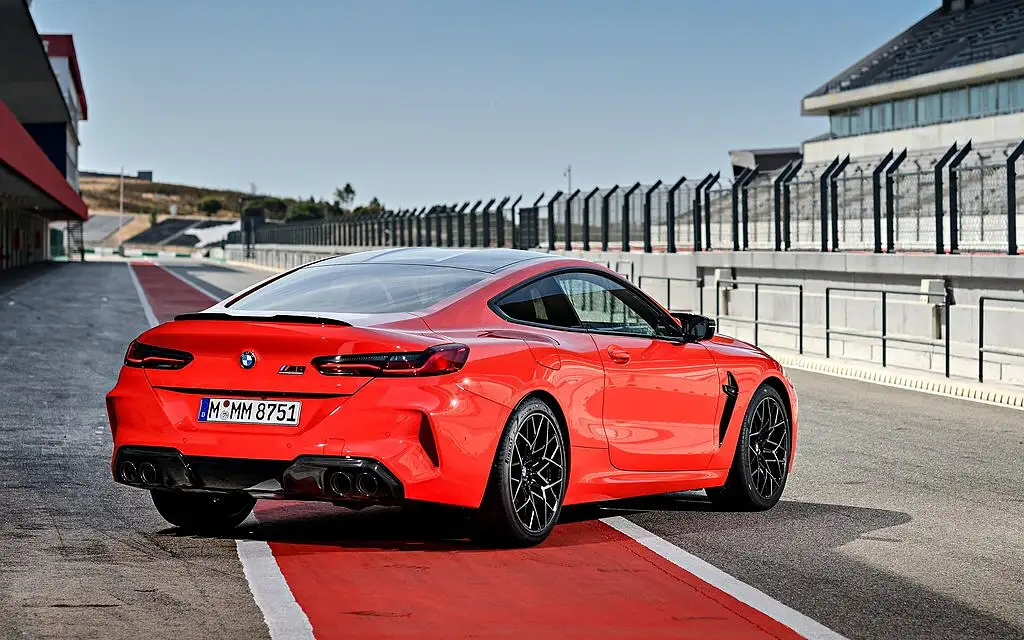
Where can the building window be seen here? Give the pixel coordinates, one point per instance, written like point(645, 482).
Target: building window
point(905, 113)
point(881, 117)
point(983, 100)
point(929, 109)
point(1004, 98)
point(1017, 94)
point(840, 124)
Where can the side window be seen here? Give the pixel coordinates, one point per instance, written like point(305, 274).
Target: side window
point(540, 302)
point(604, 305)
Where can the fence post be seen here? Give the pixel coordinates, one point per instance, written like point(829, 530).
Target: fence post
point(876, 198)
point(625, 215)
point(823, 201)
point(419, 225)
point(737, 183)
point(648, 245)
point(707, 209)
point(534, 223)
point(586, 217)
point(834, 188)
point(486, 214)
point(954, 204)
point(500, 239)
point(568, 219)
point(439, 215)
point(745, 208)
point(551, 220)
point(670, 216)
point(939, 166)
point(890, 202)
point(777, 202)
point(461, 214)
point(393, 216)
point(605, 217)
point(787, 234)
point(698, 219)
point(1011, 199)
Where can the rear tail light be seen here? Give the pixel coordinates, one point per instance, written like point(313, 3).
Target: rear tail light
point(150, 357)
point(445, 358)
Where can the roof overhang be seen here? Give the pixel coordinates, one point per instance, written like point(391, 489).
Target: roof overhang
point(29, 179)
point(28, 85)
point(991, 70)
point(63, 45)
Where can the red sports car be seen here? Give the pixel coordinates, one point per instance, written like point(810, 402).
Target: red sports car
point(507, 382)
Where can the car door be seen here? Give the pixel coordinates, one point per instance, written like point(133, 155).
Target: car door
point(661, 393)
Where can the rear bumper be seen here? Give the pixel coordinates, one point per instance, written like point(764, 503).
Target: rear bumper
point(305, 478)
point(435, 439)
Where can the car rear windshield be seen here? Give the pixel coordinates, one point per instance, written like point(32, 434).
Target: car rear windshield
point(359, 288)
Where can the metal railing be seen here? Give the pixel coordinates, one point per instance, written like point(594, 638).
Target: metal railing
point(668, 280)
point(982, 349)
point(946, 297)
point(756, 320)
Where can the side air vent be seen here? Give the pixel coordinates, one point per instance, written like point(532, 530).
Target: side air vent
point(731, 390)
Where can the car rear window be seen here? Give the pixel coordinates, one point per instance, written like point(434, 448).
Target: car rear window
point(359, 288)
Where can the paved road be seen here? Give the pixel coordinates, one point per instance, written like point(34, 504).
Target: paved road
point(903, 518)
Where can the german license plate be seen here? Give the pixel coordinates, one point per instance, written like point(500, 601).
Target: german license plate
point(241, 411)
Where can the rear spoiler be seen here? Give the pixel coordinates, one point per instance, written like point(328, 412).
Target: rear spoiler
point(293, 318)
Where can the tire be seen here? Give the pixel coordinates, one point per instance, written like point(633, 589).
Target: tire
point(760, 465)
point(203, 512)
point(523, 463)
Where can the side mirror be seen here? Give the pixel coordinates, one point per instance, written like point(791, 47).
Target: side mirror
point(695, 326)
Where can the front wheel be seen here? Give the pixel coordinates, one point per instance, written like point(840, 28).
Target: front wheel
point(203, 512)
point(761, 463)
point(528, 479)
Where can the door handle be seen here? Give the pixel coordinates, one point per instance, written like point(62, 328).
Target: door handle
point(618, 355)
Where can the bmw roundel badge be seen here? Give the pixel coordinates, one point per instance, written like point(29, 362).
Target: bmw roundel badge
point(247, 360)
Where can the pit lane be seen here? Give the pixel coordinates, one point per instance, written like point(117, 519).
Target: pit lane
point(903, 517)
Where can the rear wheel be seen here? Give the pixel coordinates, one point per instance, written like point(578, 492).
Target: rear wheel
point(203, 512)
point(761, 463)
point(528, 479)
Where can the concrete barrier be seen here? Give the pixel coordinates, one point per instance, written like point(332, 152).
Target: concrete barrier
point(728, 295)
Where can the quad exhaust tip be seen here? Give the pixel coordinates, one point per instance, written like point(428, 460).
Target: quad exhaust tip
point(147, 473)
point(340, 483)
point(129, 473)
point(366, 484)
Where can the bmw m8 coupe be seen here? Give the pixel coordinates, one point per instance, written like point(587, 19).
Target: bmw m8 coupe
point(509, 383)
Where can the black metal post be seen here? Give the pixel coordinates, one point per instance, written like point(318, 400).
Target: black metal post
point(954, 201)
point(439, 216)
point(939, 166)
point(777, 202)
point(1011, 199)
point(745, 208)
point(786, 220)
point(698, 223)
point(605, 217)
point(648, 245)
point(586, 217)
point(551, 220)
point(486, 215)
point(500, 239)
point(834, 188)
point(890, 202)
point(535, 222)
point(876, 198)
point(568, 219)
point(461, 214)
point(670, 216)
point(707, 210)
point(823, 194)
point(625, 215)
point(736, 185)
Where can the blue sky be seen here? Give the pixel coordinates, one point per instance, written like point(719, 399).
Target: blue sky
point(425, 101)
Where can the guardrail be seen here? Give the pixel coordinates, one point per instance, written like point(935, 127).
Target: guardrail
point(946, 297)
point(668, 289)
point(982, 349)
point(756, 320)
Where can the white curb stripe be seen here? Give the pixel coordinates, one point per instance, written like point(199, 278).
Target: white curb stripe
point(284, 617)
point(724, 582)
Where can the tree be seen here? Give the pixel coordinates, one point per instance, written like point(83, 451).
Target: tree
point(345, 195)
point(210, 206)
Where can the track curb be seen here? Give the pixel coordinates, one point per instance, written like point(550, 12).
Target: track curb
point(961, 389)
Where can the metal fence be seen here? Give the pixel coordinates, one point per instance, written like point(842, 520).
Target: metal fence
point(962, 199)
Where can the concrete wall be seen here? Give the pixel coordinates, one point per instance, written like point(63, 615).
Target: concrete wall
point(908, 316)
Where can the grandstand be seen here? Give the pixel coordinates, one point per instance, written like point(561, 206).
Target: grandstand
point(184, 232)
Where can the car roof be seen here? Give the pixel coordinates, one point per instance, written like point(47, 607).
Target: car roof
point(483, 260)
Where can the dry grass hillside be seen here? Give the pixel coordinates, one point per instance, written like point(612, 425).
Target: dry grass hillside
point(141, 196)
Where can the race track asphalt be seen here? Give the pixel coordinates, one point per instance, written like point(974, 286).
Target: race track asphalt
point(903, 518)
